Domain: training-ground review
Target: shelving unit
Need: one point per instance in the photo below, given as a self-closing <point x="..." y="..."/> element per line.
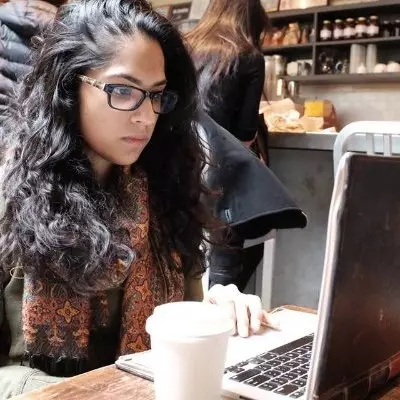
<point x="373" y="5"/>
<point x="345" y="78"/>
<point x="314" y="17"/>
<point x="287" y="49"/>
<point x="381" y="41"/>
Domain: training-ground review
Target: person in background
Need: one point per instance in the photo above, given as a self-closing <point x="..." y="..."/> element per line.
<point x="20" y="21"/>
<point x="102" y="217"/>
<point x="226" y="48"/>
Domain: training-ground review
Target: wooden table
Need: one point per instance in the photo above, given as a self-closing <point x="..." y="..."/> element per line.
<point x="110" y="383"/>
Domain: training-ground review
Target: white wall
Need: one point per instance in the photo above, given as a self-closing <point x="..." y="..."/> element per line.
<point x="359" y="102"/>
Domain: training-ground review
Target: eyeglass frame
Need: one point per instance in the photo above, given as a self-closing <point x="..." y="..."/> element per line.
<point x="108" y="87"/>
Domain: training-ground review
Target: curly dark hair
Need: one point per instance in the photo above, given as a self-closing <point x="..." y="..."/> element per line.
<point x="56" y="215"/>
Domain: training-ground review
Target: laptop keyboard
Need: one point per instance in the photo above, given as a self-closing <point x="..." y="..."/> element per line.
<point x="282" y="370"/>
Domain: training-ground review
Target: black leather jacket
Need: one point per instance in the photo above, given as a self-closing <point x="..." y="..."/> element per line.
<point x="19" y="21"/>
<point x="252" y="199"/>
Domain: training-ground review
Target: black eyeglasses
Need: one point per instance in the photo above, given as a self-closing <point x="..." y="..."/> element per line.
<point x="130" y="98"/>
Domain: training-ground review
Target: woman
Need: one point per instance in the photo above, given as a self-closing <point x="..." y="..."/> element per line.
<point x="102" y="218"/>
<point x="226" y="48"/>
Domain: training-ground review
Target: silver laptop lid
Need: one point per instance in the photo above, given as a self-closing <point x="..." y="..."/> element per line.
<point x="357" y="345"/>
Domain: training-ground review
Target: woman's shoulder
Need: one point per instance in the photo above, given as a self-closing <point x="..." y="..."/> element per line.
<point x="251" y="60"/>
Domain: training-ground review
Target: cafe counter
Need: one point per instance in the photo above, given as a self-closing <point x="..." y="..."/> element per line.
<point x="304" y="164"/>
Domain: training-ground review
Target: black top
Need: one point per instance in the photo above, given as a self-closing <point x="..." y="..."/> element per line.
<point x="235" y="98"/>
<point x="252" y="198"/>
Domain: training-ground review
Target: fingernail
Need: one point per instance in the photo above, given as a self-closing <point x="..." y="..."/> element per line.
<point x="243" y="331"/>
<point x="276" y="326"/>
<point x="256" y="326"/>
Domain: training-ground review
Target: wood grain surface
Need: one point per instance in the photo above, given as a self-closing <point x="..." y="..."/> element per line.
<point x="110" y="383"/>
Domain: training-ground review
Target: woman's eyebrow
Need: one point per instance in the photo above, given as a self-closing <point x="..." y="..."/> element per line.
<point x="138" y="81"/>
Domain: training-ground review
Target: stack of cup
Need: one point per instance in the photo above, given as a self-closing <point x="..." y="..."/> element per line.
<point x="189" y="342"/>
<point x="372" y="58"/>
<point x="357" y="58"/>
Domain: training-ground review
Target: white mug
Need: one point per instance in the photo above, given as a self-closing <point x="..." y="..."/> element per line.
<point x="393" y="67"/>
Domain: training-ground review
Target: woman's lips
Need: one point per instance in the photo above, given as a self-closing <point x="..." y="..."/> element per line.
<point x="134" y="140"/>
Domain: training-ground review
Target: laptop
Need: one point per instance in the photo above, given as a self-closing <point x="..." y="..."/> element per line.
<point x="353" y="346"/>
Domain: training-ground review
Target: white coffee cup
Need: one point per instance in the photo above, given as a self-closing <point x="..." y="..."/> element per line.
<point x="188" y="342"/>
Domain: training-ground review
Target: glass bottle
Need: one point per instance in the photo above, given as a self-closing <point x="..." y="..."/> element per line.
<point x="305" y="35"/>
<point x="349" y="31"/>
<point x="338" y="29"/>
<point x="361" y="28"/>
<point x="326" y="31"/>
<point x="373" y="27"/>
<point x="386" y="29"/>
<point x="279" y="64"/>
<point x="397" y="27"/>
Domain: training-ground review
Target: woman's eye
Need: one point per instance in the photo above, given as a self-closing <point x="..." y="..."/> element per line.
<point x="122" y="91"/>
<point x="157" y="95"/>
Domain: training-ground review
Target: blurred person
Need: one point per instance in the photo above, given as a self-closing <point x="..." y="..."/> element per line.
<point x="226" y="48"/>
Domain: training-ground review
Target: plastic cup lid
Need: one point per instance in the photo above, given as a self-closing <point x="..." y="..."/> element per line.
<point x="189" y="320"/>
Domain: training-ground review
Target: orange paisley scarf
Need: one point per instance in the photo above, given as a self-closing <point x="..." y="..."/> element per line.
<point x="59" y="324"/>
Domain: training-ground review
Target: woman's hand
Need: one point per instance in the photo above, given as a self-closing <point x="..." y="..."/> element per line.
<point x="245" y="309"/>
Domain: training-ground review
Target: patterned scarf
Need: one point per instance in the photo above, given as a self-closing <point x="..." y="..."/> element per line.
<point x="58" y="323"/>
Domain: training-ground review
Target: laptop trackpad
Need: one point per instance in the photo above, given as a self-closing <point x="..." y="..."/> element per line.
<point x="293" y="325"/>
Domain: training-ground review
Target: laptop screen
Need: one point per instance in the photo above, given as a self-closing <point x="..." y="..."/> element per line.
<point x="363" y="332"/>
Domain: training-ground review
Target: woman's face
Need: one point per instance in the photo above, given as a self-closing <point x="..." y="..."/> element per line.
<point x="119" y="137"/>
